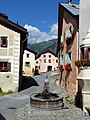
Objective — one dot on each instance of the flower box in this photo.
(83, 62)
(3, 68)
(68, 67)
(61, 44)
(61, 68)
(3, 45)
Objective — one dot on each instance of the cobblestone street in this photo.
(69, 112)
(17, 106)
(29, 113)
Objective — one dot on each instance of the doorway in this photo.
(49, 68)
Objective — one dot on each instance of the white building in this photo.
(29, 62)
(47, 61)
(84, 68)
(12, 43)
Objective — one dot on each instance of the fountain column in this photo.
(84, 72)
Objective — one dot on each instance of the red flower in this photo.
(61, 68)
(82, 62)
(61, 44)
(68, 67)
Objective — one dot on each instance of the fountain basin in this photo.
(54, 101)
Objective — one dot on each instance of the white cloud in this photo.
(54, 29)
(36, 36)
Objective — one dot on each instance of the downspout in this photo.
(78, 57)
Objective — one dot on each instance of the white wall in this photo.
(31, 59)
(43, 66)
(84, 21)
(12, 82)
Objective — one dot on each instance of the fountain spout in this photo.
(47, 99)
(45, 92)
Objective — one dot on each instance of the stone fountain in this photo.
(46, 99)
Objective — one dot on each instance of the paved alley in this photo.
(17, 106)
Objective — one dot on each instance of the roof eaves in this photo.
(72, 9)
(30, 50)
(13, 25)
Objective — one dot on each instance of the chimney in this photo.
(69, 1)
(3, 16)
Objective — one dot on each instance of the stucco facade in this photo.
(84, 21)
(10, 54)
(47, 61)
(29, 62)
(68, 26)
(84, 44)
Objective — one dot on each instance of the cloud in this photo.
(36, 36)
(54, 29)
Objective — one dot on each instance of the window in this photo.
(49, 60)
(27, 55)
(36, 67)
(44, 56)
(82, 53)
(3, 42)
(5, 66)
(27, 64)
(37, 62)
(49, 56)
(44, 60)
(56, 61)
(89, 53)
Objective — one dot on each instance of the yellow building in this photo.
(29, 62)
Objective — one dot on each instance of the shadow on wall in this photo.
(1, 117)
(78, 98)
(28, 82)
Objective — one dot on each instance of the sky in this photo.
(39, 17)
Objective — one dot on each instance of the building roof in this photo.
(32, 51)
(46, 52)
(13, 26)
(72, 8)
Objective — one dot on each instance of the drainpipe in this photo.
(78, 57)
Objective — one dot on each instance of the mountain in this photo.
(43, 46)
